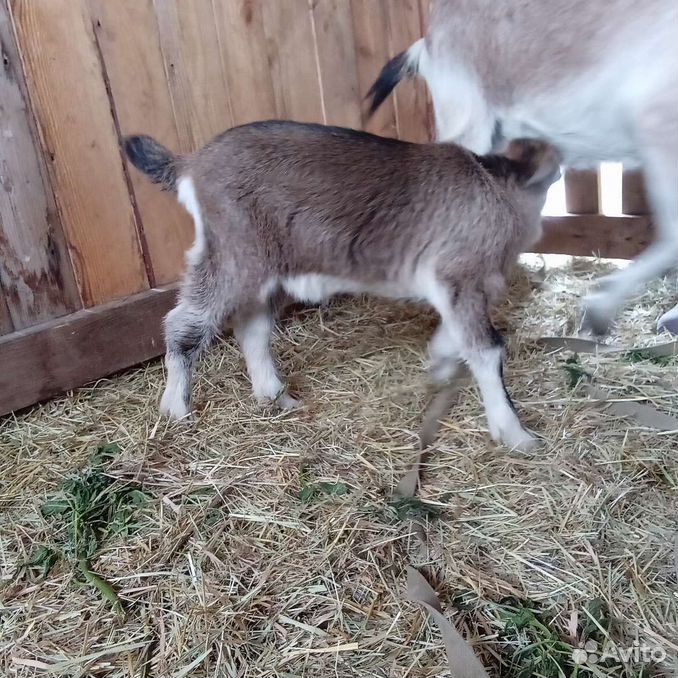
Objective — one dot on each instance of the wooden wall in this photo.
(85, 243)
(78, 228)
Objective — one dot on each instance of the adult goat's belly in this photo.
(591, 117)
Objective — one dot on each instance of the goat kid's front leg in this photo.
(254, 336)
(505, 427)
(475, 340)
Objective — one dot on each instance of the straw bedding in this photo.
(268, 544)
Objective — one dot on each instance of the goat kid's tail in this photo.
(153, 159)
(404, 65)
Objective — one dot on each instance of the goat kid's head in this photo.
(528, 168)
(538, 161)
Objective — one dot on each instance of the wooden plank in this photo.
(404, 28)
(6, 325)
(292, 58)
(195, 70)
(372, 52)
(240, 31)
(35, 268)
(333, 26)
(127, 34)
(596, 234)
(634, 196)
(63, 354)
(69, 97)
(425, 13)
(582, 192)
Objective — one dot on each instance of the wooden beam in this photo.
(45, 360)
(595, 234)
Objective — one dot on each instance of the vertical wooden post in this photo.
(582, 191)
(634, 198)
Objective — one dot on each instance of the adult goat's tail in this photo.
(405, 64)
(153, 159)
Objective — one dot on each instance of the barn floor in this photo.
(254, 543)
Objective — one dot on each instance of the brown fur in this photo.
(280, 200)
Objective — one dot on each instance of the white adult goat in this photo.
(599, 80)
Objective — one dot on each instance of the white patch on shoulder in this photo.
(187, 197)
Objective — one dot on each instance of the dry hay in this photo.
(227, 572)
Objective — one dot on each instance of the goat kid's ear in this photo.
(540, 160)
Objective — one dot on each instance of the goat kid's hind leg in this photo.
(253, 333)
(189, 328)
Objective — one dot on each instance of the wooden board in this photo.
(425, 14)
(240, 32)
(582, 192)
(195, 70)
(69, 96)
(634, 196)
(372, 52)
(595, 234)
(6, 325)
(35, 269)
(127, 35)
(333, 26)
(87, 345)
(404, 29)
(292, 58)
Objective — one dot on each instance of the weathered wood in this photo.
(333, 25)
(634, 197)
(49, 359)
(127, 35)
(372, 52)
(292, 58)
(6, 325)
(582, 192)
(242, 41)
(404, 28)
(35, 269)
(425, 14)
(195, 70)
(615, 237)
(69, 96)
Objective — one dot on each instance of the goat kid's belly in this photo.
(317, 287)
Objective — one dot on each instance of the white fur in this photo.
(502, 419)
(187, 197)
(616, 110)
(173, 403)
(254, 337)
(669, 321)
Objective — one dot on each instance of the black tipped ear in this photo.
(541, 161)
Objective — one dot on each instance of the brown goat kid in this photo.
(313, 211)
